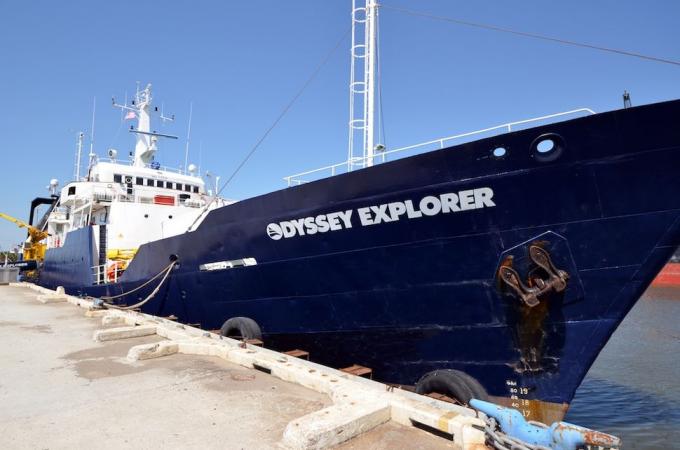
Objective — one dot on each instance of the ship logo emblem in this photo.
(274, 231)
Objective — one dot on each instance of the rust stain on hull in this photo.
(546, 412)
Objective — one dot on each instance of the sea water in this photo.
(633, 389)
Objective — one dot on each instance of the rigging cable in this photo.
(272, 126)
(531, 35)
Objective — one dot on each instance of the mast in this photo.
(362, 84)
(79, 152)
(145, 148)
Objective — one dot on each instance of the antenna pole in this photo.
(186, 149)
(94, 111)
(369, 114)
(79, 152)
(200, 156)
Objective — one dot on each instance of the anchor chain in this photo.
(501, 441)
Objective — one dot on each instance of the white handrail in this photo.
(177, 170)
(101, 275)
(296, 179)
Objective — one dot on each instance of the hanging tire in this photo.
(241, 327)
(452, 383)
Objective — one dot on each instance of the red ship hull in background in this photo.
(670, 274)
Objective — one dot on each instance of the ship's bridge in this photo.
(119, 182)
(156, 180)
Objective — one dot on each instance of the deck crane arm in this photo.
(33, 249)
(35, 234)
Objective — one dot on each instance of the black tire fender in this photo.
(244, 327)
(452, 383)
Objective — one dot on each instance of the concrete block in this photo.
(52, 298)
(196, 346)
(149, 351)
(241, 356)
(308, 377)
(96, 313)
(336, 424)
(112, 334)
(455, 420)
(109, 320)
(81, 302)
(175, 334)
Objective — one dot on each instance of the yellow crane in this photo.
(33, 248)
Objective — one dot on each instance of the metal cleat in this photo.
(558, 436)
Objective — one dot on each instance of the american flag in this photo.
(130, 115)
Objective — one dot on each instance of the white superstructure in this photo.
(128, 204)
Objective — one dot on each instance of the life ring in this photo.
(113, 268)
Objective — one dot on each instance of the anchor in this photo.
(556, 281)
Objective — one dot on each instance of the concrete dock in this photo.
(76, 378)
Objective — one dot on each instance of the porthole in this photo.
(170, 217)
(547, 147)
(146, 216)
(499, 152)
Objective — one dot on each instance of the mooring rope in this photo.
(165, 272)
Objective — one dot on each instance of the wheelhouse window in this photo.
(159, 183)
(178, 186)
(149, 182)
(117, 178)
(139, 181)
(187, 187)
(168, 184)
(195, 189)
(72, 190)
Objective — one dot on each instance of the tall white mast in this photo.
(146, 147)
(186, 149)
(79, 152)
(362, 84)
(94, 112)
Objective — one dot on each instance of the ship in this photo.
(496, 267)
(669, 277)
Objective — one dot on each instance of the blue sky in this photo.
(241, 62)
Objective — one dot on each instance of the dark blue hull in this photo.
(413, 295)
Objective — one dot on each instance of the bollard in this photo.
(558, 436)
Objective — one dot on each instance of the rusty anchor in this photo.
(556, 281)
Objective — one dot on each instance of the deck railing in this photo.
(104, 274)
(346, 166)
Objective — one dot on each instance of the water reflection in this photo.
(633, 389)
